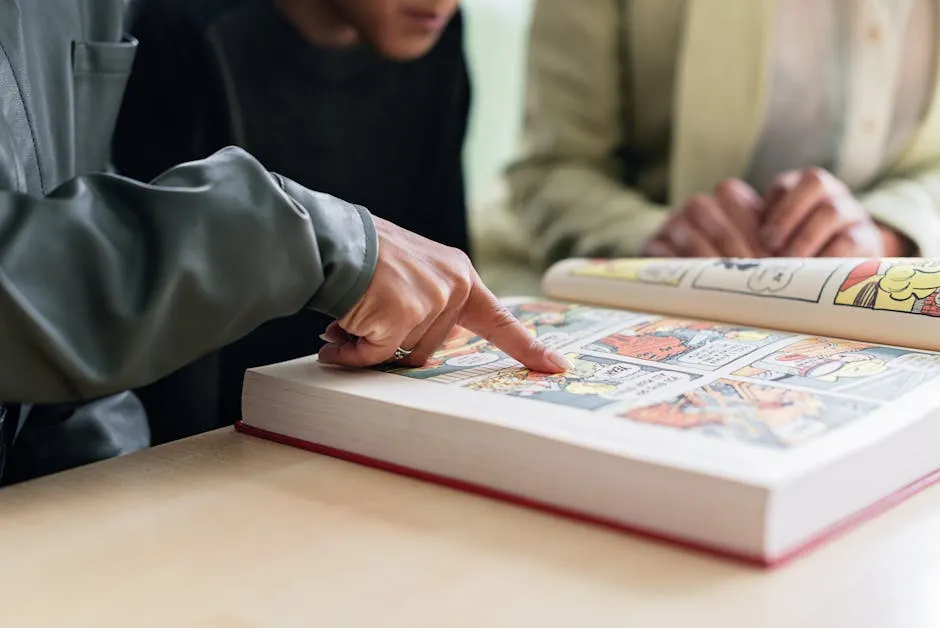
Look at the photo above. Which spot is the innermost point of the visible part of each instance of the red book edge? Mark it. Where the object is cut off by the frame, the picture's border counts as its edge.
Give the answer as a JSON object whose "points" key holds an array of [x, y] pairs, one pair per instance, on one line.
{"points": [[823, 537]]}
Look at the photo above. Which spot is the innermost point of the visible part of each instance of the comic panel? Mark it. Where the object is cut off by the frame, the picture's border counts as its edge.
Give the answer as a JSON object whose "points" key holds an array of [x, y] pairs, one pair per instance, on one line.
{"points": [[753, 413], [905, 286], [464, 354], [592, 384], [773, 278], [697, 344], [649, 270], [847, 367]]}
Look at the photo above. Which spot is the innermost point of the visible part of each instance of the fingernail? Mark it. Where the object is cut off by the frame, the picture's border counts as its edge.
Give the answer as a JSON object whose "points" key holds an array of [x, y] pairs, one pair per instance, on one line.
{"points": [[333, 337], [558, 360]]}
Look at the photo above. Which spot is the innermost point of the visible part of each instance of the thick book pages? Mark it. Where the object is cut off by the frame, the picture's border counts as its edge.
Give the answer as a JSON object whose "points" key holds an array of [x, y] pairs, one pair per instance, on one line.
{"points": [[891, 301], [741, 439]]}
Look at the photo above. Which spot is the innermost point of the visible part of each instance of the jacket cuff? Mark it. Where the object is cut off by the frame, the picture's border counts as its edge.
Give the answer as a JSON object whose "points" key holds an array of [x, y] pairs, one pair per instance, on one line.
{"points": [[347, 243], [908, 209]]}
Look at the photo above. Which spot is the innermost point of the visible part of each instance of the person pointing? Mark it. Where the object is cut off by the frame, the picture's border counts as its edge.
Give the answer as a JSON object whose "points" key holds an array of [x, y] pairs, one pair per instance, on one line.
{"points": [[107, 284]]}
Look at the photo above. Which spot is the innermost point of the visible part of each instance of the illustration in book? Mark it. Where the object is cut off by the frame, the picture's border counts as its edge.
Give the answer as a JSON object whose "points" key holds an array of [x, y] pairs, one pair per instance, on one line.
{"points": [[553, 323], [857, 368], [698, 344], [893, 285], [789, 279], [591, 384], [642, 270], [753, 413]]}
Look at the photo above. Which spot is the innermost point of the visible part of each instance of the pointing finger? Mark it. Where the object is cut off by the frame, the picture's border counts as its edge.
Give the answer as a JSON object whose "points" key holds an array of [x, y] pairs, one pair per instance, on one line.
{"points": [[485, 316]]}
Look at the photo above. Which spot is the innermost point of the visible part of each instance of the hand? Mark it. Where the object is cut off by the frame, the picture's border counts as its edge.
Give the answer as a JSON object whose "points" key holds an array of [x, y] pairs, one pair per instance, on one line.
{"points": [[723, 225], [420, 290], [811, 213]]}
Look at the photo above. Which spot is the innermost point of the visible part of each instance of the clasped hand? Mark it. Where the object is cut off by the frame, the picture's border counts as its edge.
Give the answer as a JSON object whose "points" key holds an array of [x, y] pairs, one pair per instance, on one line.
{"points": [[805, 213]]}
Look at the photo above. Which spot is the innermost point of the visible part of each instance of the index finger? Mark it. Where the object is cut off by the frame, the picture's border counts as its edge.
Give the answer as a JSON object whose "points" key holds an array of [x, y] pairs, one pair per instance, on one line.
{"points": [[743, 207], [485, 316], [785, 216]]}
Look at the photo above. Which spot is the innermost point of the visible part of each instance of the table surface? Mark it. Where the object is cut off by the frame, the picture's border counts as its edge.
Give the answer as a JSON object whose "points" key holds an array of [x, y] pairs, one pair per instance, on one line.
{"points": [[227, 530]]}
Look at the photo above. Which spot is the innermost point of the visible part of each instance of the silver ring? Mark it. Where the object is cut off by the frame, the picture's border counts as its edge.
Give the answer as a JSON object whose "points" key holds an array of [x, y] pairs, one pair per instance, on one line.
{"points": [[400, 354]]}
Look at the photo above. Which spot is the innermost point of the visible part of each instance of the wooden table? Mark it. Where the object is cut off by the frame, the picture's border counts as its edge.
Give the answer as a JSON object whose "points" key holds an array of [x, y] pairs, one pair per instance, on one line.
{"points": [[225, 530]]}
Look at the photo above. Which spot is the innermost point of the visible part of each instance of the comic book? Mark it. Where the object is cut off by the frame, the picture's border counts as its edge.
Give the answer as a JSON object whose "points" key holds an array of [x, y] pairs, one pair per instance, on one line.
{"points": [[749, 407]]}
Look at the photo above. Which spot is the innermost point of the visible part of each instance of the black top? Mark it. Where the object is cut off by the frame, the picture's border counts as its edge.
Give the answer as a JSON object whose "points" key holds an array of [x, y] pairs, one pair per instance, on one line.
{"points": [[383, 134]]}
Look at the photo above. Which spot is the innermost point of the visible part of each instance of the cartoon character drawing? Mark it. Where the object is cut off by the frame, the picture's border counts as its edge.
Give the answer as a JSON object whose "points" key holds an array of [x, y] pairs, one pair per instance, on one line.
{"points": [[649, 270], [675, 340], [590, 384], [752, 413], [461, 343], [465, 350], [525, 383], [900, 286], [653, 347], [543, 313], [577, 387], [819, 359]]}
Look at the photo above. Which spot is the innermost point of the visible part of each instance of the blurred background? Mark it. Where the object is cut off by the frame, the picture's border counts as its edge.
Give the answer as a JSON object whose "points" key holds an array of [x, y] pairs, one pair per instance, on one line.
{"points": [[496, 44]]}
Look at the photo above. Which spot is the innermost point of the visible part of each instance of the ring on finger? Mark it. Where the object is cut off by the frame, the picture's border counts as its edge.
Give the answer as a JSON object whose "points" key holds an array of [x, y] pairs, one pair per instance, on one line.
{"points": [[401, 354]]}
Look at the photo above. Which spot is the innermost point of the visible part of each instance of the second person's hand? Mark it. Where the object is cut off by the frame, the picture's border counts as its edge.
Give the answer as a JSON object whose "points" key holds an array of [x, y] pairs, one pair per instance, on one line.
{"points": [[811, 213], [724, 224], [420, 290]]}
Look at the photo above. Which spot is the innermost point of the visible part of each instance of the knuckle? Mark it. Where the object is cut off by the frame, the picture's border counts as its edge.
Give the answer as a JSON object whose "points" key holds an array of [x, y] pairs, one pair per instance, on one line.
{"points": [[827, 212], [802, 241], [441, 297], [503, 318], [696, 201], [460, 259], [413, 312], [816, 174], [698, 210], [462, 272], [726, 189]]}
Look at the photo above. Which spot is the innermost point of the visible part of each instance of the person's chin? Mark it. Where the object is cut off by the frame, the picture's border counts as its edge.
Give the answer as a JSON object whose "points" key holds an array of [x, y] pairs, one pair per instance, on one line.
{"points": [[407, 49]]}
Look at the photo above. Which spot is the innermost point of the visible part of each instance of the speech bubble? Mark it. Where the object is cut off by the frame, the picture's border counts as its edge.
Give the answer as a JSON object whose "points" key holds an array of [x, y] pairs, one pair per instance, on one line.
{"points": [[771, 277], [472, 359], [715, 354], [616, 372], [916, 361], [555, 339], [650, 382]]}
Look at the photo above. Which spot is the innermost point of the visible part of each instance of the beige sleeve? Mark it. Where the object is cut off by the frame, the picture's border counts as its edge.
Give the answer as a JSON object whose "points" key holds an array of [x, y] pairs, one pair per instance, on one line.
{"points": [[910, 205], [566, 189]]}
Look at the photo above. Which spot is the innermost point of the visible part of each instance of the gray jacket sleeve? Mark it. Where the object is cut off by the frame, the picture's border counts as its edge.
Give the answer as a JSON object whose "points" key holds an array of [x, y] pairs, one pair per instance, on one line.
{"points": [[108, 284]]}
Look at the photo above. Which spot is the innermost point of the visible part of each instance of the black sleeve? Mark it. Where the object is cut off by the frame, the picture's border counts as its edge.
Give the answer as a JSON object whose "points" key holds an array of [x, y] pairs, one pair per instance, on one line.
{"points": [[171, 112]]}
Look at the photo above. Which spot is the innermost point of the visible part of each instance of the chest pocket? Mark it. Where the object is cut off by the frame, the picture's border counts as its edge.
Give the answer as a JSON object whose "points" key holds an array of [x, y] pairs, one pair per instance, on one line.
{"points": [[100, 71]]}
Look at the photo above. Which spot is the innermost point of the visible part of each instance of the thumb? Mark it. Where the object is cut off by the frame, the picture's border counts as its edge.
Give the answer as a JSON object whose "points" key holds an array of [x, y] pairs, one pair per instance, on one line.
{"points": [[485, 316]]}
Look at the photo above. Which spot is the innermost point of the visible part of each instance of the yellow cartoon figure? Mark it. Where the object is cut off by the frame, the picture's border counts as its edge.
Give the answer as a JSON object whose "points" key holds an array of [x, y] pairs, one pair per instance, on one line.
{"points": [[821, 359], [909, 287], [649, 270], [590, 388], [581, 386]]}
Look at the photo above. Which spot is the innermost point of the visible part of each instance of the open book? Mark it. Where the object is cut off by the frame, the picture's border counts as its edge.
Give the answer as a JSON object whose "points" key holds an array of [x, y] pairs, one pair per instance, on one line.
{"points": [[751, 407]]}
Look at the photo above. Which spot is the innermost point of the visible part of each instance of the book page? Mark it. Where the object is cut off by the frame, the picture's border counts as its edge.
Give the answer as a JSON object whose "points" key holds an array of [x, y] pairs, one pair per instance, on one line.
{"points": [[771, 391], [885, 301]]}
